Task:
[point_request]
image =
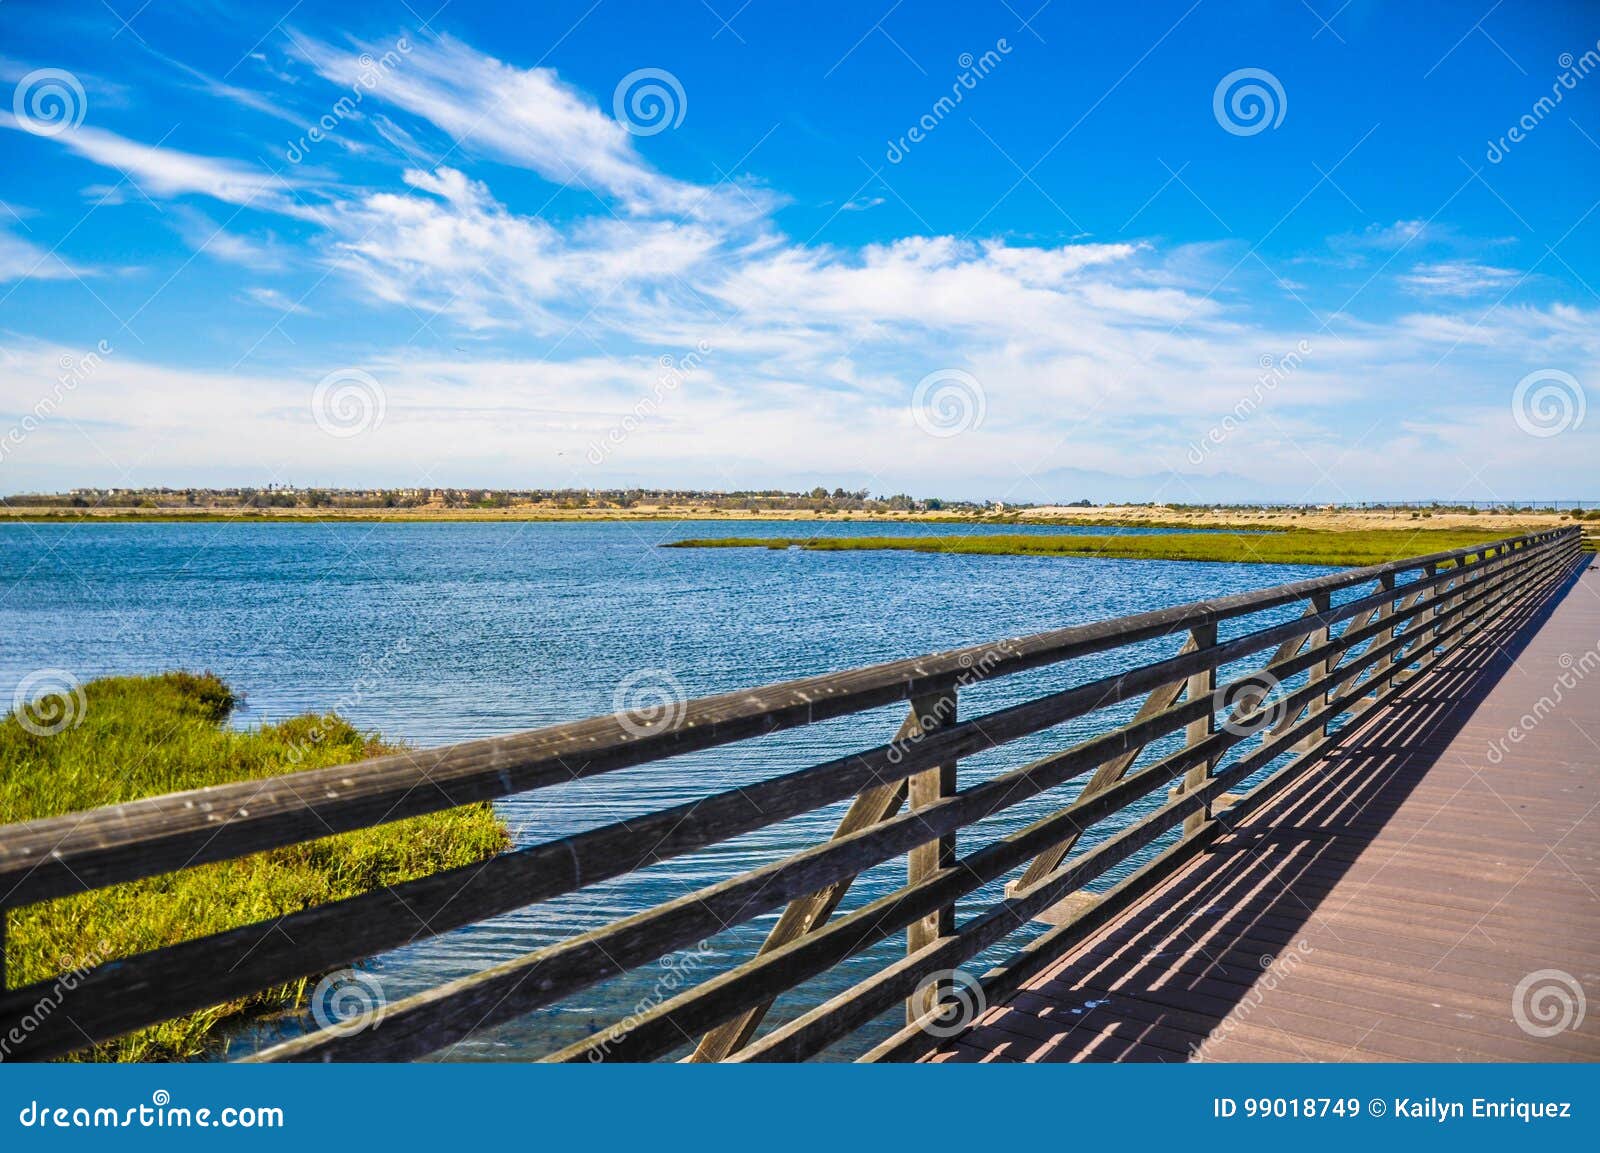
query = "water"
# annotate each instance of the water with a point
(438, 632)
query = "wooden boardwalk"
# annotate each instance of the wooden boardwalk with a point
(1388, 905)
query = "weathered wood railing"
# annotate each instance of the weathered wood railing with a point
(1363, 634)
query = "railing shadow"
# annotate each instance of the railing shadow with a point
(1165, 978)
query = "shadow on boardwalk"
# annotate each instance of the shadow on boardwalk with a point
(1386, 907)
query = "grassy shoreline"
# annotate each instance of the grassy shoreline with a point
(1343, 549)
(130, 737)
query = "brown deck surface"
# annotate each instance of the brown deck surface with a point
(1387, 906)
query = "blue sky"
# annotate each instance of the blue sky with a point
(1177, 251)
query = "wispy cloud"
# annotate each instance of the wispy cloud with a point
(23, 260)
(274, 299)
(531, 118)
(1459, 278)
(166, 172)
(455, 248)
(204, 235)
(1388, 237)
(222, 90)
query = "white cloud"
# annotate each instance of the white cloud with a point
(516, 421)
(1459, 278)
(1397, 235)
(273, 299)
(400, 140)
(526, 117)
(168, 172)
(451, 246)
(23, 260)
(220, 89)
(203, 235)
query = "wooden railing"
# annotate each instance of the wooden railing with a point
(1363, 633)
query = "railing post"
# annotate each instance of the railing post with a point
(1464, 579)
(1320, 602)
(1504, 560)
(1106, 775)
(1444, 600)
(1423, 621)
(933, 712)
(810, 913)
(1202, 685)
(1382, 679)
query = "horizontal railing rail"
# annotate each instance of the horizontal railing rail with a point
(907, 802)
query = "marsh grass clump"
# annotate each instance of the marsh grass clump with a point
(1292, 546)
(133, 737)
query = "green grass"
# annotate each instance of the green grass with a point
(1295, 546)
(142, 736)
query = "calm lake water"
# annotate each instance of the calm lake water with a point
(433, 633)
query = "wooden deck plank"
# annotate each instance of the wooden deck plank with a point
(1269, 935)
(1399, 892)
